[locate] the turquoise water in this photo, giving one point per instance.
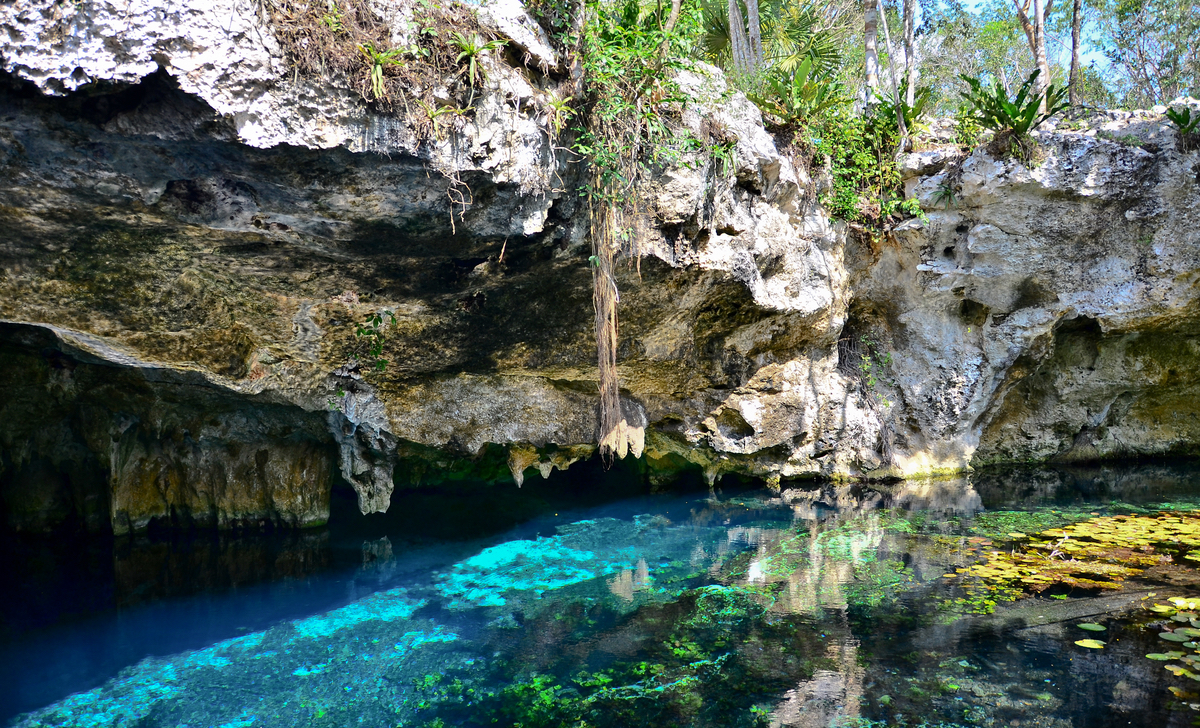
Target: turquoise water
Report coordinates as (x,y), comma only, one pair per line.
(818,606)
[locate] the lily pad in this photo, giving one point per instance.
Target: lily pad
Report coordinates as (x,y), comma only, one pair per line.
(1172,637)
(1160,656)
(1092,627)
(1091,644)
(1189,631)
(1178,671)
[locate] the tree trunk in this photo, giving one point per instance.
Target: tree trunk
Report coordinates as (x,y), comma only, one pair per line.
(870,45)
(1073,81)
(900,125)
(756,47)
(738,42)
(1039,55)
(910,53)
(1035,33)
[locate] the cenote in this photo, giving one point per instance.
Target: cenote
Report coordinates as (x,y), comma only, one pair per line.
(830,604)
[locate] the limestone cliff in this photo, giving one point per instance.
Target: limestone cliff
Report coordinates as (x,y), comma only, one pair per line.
(192,234)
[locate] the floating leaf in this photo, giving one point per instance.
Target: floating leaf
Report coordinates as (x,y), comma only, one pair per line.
(1092,644)
(1183,616)
(1182,694)
(1189,631)
(1160,656)
(1178,671)
(1172,637)
(1017,535)
(1091,627)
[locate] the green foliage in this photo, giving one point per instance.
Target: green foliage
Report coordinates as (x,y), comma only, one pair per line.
(1183,120)
(334,18)
(470,47)
(792,32)
(629,61)
(866,182)
(372,331)
(1020,115)
(945,196)
(435,113)
(1151,45)
(558,112)
(1188,127)
(911,114)
(799,93)
(555,17)
(981,40)
(348,39)
(873,364)
(966,128)
(377,60)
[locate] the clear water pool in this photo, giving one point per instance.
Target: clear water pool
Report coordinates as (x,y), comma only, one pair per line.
(820,606)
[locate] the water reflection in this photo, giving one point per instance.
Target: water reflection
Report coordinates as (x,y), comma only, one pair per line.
(816,606)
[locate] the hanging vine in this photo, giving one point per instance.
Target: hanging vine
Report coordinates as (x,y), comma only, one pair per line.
(628,54)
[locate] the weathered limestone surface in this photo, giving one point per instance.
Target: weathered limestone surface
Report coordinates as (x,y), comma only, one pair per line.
(190,233)
(95,437)
(1048,313)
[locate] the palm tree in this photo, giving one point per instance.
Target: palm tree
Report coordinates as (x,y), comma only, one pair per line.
(788,33)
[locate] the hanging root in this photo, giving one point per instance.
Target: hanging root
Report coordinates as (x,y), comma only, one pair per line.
(617,437)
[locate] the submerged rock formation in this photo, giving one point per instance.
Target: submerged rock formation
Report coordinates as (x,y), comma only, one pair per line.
(193,237)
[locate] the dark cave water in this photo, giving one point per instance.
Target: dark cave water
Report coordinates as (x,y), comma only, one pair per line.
(821,606)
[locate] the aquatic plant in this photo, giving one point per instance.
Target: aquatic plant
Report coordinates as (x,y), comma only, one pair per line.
(1099,553)
(1001,524)
(1182,629)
